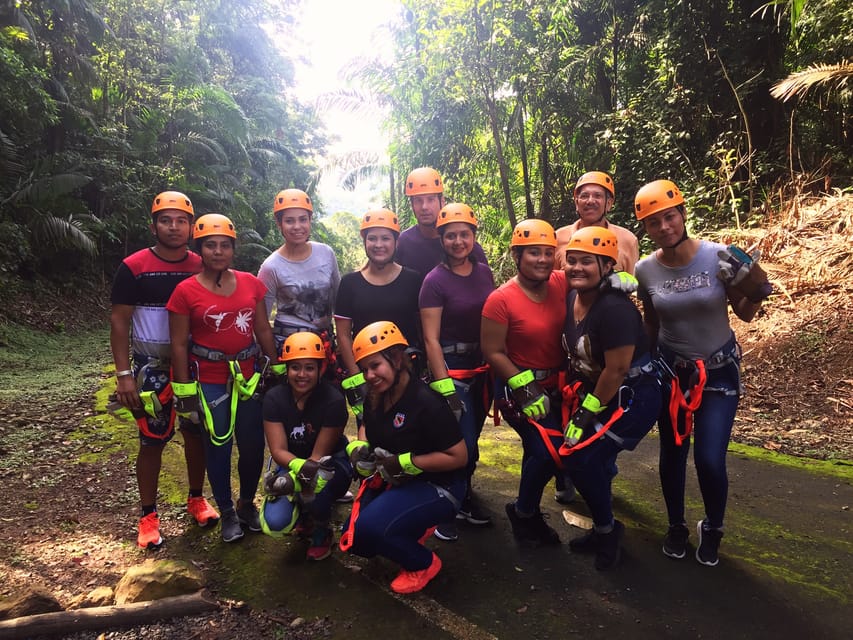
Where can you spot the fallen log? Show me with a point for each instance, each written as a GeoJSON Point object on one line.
{"type": "Point", "coordinates": [120, 615]}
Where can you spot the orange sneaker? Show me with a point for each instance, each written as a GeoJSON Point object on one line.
{"type": "Point", "coordinates": [412, 581]}
{"type": "Point", "coordinates": [200, 509]}
{"type": "Point", "coordinates": [149, 531]}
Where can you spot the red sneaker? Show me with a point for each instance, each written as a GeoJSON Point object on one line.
{"type": "Point", "coordinates": [412, 581]}
{"type": "Point", "coordinates": [200, 509]}
{"type": "Point", "coordinates": [427, 534]}
{"type": "Point", "coordinates": [321, 544]}
{"type": "Point", "coordinates": [149, 531]}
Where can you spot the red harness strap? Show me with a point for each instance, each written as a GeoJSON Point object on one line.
{"type": "Point", "coordinates": [373, 482]}
{"type": "Point", "coordinates": [678, 403]}
{"type": "Point", "coordinates": [467, 374]}
{"type": "Point", "coordinates": [566, 450]}
{"type": "Point", "coordinates": [165, 397]}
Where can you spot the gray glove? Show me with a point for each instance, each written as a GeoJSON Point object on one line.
{"type": "Point", "coordinates": [282, 483]}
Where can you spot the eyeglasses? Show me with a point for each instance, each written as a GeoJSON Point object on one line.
{"type": "Point", "coordinates": [591, 196]}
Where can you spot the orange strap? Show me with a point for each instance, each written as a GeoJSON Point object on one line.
{"type": "Point", "coordinates": [373, 482]}
{"type": "Point", "coordinates": [546, 434]}
{"type": "Point", "coordinates": [567, 451]}
{"type": "Point", "coordinates": [677, 403]}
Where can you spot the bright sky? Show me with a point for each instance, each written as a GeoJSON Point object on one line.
{"type": "Point", "coordinates": [334, 32]}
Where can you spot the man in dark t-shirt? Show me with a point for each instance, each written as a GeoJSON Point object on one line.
{"type": "Point", "coordinates": [419, 247]}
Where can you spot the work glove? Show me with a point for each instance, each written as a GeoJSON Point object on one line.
{"type": "Point", "coordinates": [151, 403]}
{"type": "Point", "coordinates": [279, 369]}
{"type": "Point", "coordinates": [528, 395]}
{"type": "Point", "coordinates": [361, 458]}
{"type": "Point", "coordinates": [741, 271]}
{"type": "Point", "coordinates": [446, 388]}
{"type": "Point", "coordinates": [305, 470]}
{"type": "Point", "coordinates": [325, 473]}
{"type": "Point", "coordinates": [395, 469]}
{"type": "Point", "coordinates": [584, 421]}
{"type": "Point", "coordinates": [618, 281]}
{"type": "Point", "coordinates": [187, 404]}
{"type": "Point", "coordinates": [282, 483]}
{"type": "Point", "coordinates": [355, 390]}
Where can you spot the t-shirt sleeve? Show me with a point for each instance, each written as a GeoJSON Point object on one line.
{"type": "Point", "coordinates": [343, 301]}
{"type": "Point", "coordinates": [495, 307]}
{"type": "Point", "coordinates": [618, 315]}
{"type": "Point", "coordinates": [124, 289]}
{"type": "Point", "coordinates": [430, 295]}
{"type": "Point", "coordinates": [336, 409]}
{"type": "Point", "coordinates": [266, 274]}
{"type": "Point", "coordinates": [178, 301]}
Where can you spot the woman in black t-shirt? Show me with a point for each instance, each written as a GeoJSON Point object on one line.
{"type": "Point", "coordinates": [412, 440]}
{"type": "Point", "coordinates": [304, 423]}
{"type": "Point", "coordinates": [613, 386]}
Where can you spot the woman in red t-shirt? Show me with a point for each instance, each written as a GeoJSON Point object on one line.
{"type": "Point", "coordinates": [218, 308]}
{"type": "Point", "coordinates": [520, 338]}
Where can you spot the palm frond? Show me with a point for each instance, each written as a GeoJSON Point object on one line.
{"type": "Point", "coordinates": [799, 83]}
{"type": "Point", "coordinates": [62, 231]}
{"type": "Point", "coordinates": [48, 188]}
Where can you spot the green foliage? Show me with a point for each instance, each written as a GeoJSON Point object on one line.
{"type": "Point", "coordinates": [117, 100]}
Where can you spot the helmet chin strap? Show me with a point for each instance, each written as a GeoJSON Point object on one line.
{"type": "Point", "coordinates": [684, 235]}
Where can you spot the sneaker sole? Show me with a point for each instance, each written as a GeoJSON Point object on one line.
{"type": "Point", "coordinates": [699, 546]}
{"type": "Point", "coordinates": [210, 522]}
{"type": "Point", "coordinates": [480, 522]}
{"type": "Point", "coordinates": [444, 537]}
{"type": "Point", "coordinates": [673, 555]}
{"type": "Point", "coordinates": [431, 573]}
{"type": "Point", "coordinates": [151, 546]}
{"type": "Point", "coordinates": [233, 538]}
{"type": "Point", "coordinates": [317, 558]}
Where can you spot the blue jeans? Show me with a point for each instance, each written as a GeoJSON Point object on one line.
{"type": "Point", "coordinates": [470, 392]}
{"type": "Point", "coordinates": [592, 468]}
{"type": "Point", "coordinates": [391, 521]}
{"type": "Point", "coordinates": [537, 465]}
{"type": "Point", "coordinates": [249, 433]}
{"type": "Point", "coordinates": [278, 513]}
{"type": "Point", "coordinates": [712, 428]}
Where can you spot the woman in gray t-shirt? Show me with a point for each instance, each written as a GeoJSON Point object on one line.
{"type": "Point", "coordinates": [685, 298]}
{"type": "Point", "coordinates": [301, 276]}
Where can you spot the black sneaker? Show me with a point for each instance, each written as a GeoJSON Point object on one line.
{"type": "Point", "coordinates": [532, 531]}
{"type": "Point", "coordinates": [472, 513]}
{"type": "Point", "coordinates": [609, 549]}
{"type": "Point", "coordinates": [249, 517]}
{"type": "Point", "coordinates": [707, 551]}
{"type": "Point", "coordinates": [447, 531]}
{"type": "Point", "coordinates": [675, 542]}
{"type": "Point", "coordinates": [231, 529]}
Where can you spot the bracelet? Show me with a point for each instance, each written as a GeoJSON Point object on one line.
{"type": "Point", "coordinates": [124, 372]}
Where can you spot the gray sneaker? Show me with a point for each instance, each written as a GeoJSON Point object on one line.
{"type": "Point", "coordinates": [707, 552]}
{"type": "Point", "coordinates": [249, 517]}
{"type": "Point", "coordinates": [231, 529]}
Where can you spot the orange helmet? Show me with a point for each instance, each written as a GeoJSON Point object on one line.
{"type": "Point", "coordinates": [380, 218]}
{"type": "Point", "coordinates": [596, 177]}
{"type": "Point", "coordinates": [172, 200]}
{"type": "Point", "coordinates": [292, 199]}
{"type": "Point", "coordinates": [303, 344]}
{"type": "Point", "coordinates": [214, 224]}
{"type": "Point", "coordinates": [596, 240]}
{"type": "Point", "coordinates": [532, 232]}
{"type": "Point", "coordinates": [422, 181]}
{"type": "Point", "coordinates": [656, 196]}
{"type": "Point", "coordinates": [376, 337]}
{"type": "Point", "coordinates": [456, 212]}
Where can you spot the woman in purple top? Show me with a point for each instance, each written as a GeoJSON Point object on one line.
{"type": "Point", "coordinates": [451, 301]}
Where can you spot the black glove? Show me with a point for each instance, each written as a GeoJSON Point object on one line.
{"type": "Point", "coordinates": [396, 469]}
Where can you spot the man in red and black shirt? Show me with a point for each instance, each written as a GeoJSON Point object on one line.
{"type": "Point", "coordinates": [139, 338]}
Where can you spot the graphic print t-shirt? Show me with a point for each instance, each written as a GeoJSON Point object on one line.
{"type": "Point", "coordinates": [221, 323]}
